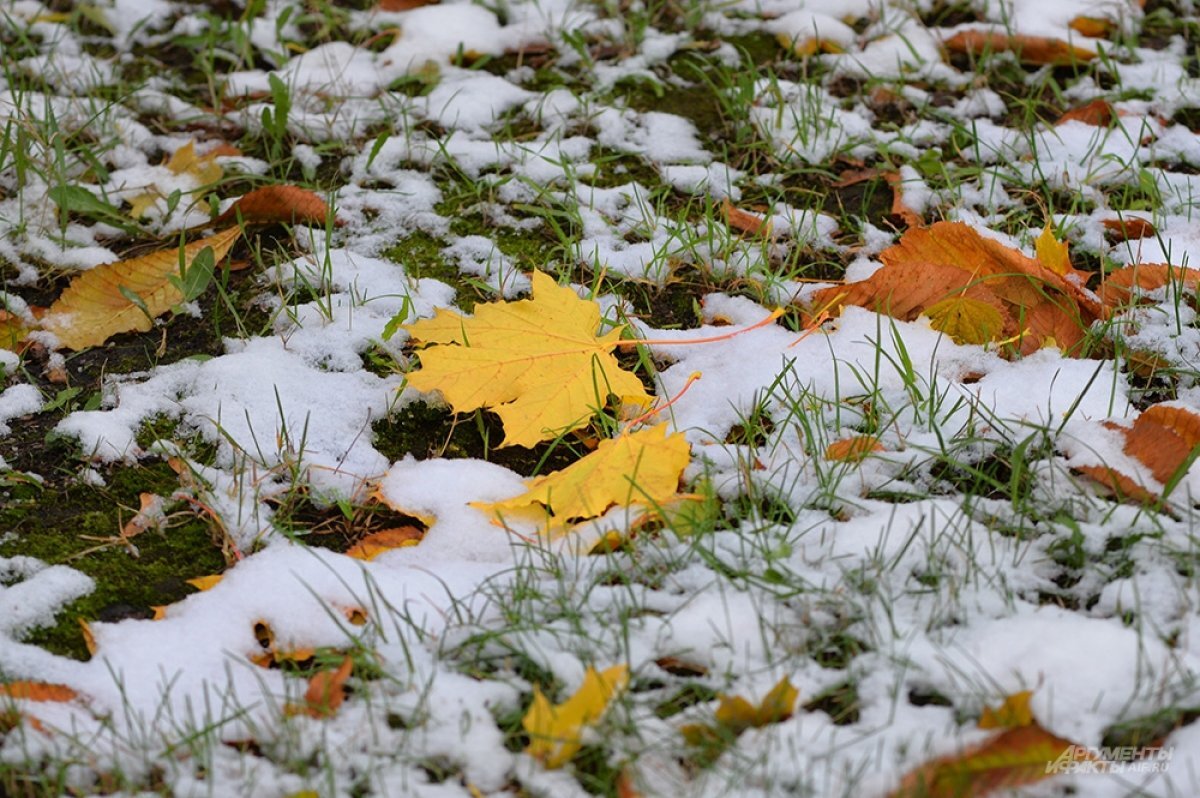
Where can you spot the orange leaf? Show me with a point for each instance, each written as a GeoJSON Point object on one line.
{"type": "Point", "coordinates": [1097, 113]}
{"type": "Point", "coordinates": [1162, 439]}
{"type": "Point", "coordinates": [853, 449]}
{"type": "Point", "coordinates": [1129, 228]}
{"type": "Point", "coordinates": [326, 692]}
{"type": "Point", "coordinates": [205, 582]}
{"type": "Point", "coordinates": [1034, 50]}
{"type": "Point", "coordinates": [1095, 27]}
{"type": "Point", "coordinates": [37, 691]}
{"type": "Point", "coordinates": [899, 207]}
{"type": "Point", "coordinates": [89, 639]}
{"type": "Point", "coordinates": [1009, 759]}
{"type": "Point", "coordinates": [377, 543]}
{"type": "Point", "coordinates": [1013, 713]}
{"type": "Point", "coordinates": [1122, 485]}
{"type": "Point", "coordinates": [149, 516]}
{"type": "Point", "coordinates": [276, 204]}
{"type": "Point", "coordinates": [1118, 285]}
{"type": "Point", "coordinates": [744, 221]}
{"type": "Point", "coordinates": [127, 295]}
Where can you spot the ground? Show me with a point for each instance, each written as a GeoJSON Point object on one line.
{"type": "Point", "coordinates": [906, 524]}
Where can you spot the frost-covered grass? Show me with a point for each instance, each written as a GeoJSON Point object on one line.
{"type": "Point", "coordinates": [462, 146]}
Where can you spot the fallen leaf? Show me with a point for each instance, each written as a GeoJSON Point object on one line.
{"type": "Point", "coordinates": [89, 638]}
{"type": "Point", "coordinates": [853, 449]}
{"type": "Point", "coordinates": [744, 221]}
{"type": "Point", "coordinates": [149, 516]}
{"type": "Point", "coordinates": [1121, 485]}
{"type": "Point", "coordinates": [127, 295]}
{"type": "Point", "coordinates": [37, 691]}
{"type": "Point", "coordinates": [1118, 285]}
{"type": "Point", "coordinates": [1033, 50]}
{"type": "Point", "coordinates": [555, 730]}
{"type": "Point", "coordinates": [969, 320]}
{"type": "Point", "coordinates": [1013, 713]}
{"type": "Point", "coordinates": [1097, 113]}
{"type": "Point", "coordinates": [404, 5]}
{"type": "Point", "coordinates": [12, 330]}
{"type": "Point", "coordinates": [326, 692]}
{"type": "Point", "coordinates": [642, 467]}
{"type": "Point", "coordinates": [271, 654]}
{"type": "Point", "coordinates": [1129, 228]}
{"type": "Point", "coordinates": [1163, 438]}
{"type": "Point", "coordinates": [537, 363]}
{"type": "Point", "coordinates": [275, 205]}
{"type": "Point", "coordinates": [377, 543]}
{"type": "Point", "coordinates": [1012, 758]}
{"type": "Point", "coordinates": [735, 714]}
{"type": "Point", "coordinates": [206, 582]}
{"type": "Point", "coordinates": [901, 208]}
{"type": "Point", "coordinates": [1052, 253]}
{"type": "Point", "coordinates": [1095, 27]}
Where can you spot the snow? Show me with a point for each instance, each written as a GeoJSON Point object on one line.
{"type": "Point", "coordinates": [887, 575]}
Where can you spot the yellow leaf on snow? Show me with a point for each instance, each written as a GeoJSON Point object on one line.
{"type": "Point", "coordinates": [101, 302]}
{"type": "Point", "coordinates": [37, 691]}
{"type": "Point", "coordinates": [1013, 713]}
{"type": "Point", "coordinates": [555, 730]}
{"type": "Point", "coordinates": [537, 363]}
{"type": "Point", "coordinates": [377, 543]}
{"type": "Point", "coordinates": [966, 320]}
{"type": "Point", "coordinates": [854, 449]}
{"type": "Point", "coordinates": [738, 714]}
{"type": "Point", "coordinates": [640, 467]}
{"type": "Point", "coordinates": [205, 582]}
{"type": "Point", "coordinates": [1052, 253]}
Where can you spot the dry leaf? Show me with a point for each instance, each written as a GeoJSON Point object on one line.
{"type": "Point", "coordinates": [89, 638]}
{"type": "Point", "coordinates": [1094, 27]}
{"type": "Point", "coordinates": [1052, 253]}
{"type": "Point", "coordinates": [899, 207]}
{"type": "Point", "coordinates": [744, 221]}
{"type": "Point", "coordinates": [1118, 285]}
{"type": "Point", "coordinates": [1034, 50]}
{"type": "Point", "coordinates": [735, 714]}
{"type": "Point", "coordinates": [1129, 228]}
{"type": "Point", "coordinates": [377, 543]}
{"type": "Point", "coordinates": [101, 302]}
{"type": "Point", "coordinates": [206, 582]}
{"type": "Point", "coordinates": [1009, 759]}
{"type": "Point", "coordinates": [275, 205]}
{"type": "Point", "coordinates": [37, 691]}
{"type": "Point", "coordinates": [1097, 113]}
{"type": "Point", "coordinates": [149, 516]}
{"type": "Point", "coordinates": [537, 363]}
{"type": "Point", "coordinates": [1163, 438]}
{"type": "Point", "coordinates": [271, 654]}
{"type": "Point", "coordinates": [854, 449]}
{"type": "Point", "coordinates": [640, 467]}
{"type": "Point", "coordinates": [326, 692]}
{"type": "Point", "coordinates": [403, 5]}
{"type": "Point", "coordinates": [12, 331]}
{"type": "Point", "coordinates": [555, 730]}
{"type": "Point", "coordinates": [1121, 485]}
{"type": "Point", "coordinates": [1013, 713]}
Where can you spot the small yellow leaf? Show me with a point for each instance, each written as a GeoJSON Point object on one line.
{"type": "Point", "coordinates": [205, 582]}
{"type": "Point", "coordinates": [854, 449]}
{"type": "Point", "coordinates": [966, 320]}
{"type": "Point", "coordinates": [37, 691]}
{"type": "Point", "coordinates": [204, 169]}
{"type": "Point", "coordinates": [640, 467]}
{"type": "Point", "coordinates": [1052, 253]}
{"type": "Point", "coordinates": [555, 730]}
{"type": "Point", "coordinates": [89, 639]}
{"type": "Point", "coordinates": [377, 543]}
{"type": "Point", "coordinates": [537, 363]}
{"type": "Point", "coordinates": [1013, 713]}
{"type": "Point", "coordinates": [737, 714]}
{"type": "Point", "coordinates": [101, 302]}
{"type": "Point", "coordinates": [12, 330]}
{"type": "Point", "coordinates": [142, 203]}
{"type": "Point", "coordinates": [1095, 27]}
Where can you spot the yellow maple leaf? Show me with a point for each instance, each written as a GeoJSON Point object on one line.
{"type": "Point", "coordinates": [555, 730]}
{"type": "Point", "coordinates": [1051, 252]}
{"type": "Point", "coordinates": [640, 467]}
{"type": "Point", "coordinates": [735, 714]}
{"type": "Point", "coordinates": [537, 363]}
{"type": "Point", "coordinates": [123, 296]}
{"type": "Point", "coordinates": [966, 320]}
{"type": "Point", "coordinates": [205, 169]}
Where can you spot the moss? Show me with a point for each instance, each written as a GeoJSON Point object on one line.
{"type": "Point", "coordinates": [55, 525]}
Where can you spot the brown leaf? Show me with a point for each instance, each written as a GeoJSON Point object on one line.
{"type": "Point", "coordinates": [100, 302]}
{"type": "Point", "coordinates": [1009, 759]}
{"type": "Point", "coordinates": [1117, 288]}
{"type": "Point", "coordinates": [377, 543]}
{"type": "Point", "coordinates": [1097, 113]}
{"type": "Point", "coordinates": [1121, 485]}
{"type": "Point", "coordinates": [148, 516]}
{"type": "Point", "coordinates": [1129, 228]}
{"type": "Point", "coordinates": [1163, 439]}
{"type": "Point", "coordinates": [37, 691]}
{"type": "Point", "coordinates": [744, 221]}
{"type": "Point", "coordinates": [274, 205]}
{"type": "Point", "coordinates": [326, 692]}
{"type": "Point", "coordinates": [853, 449]}
{"type": "Point", "coordinates": [1033, 50]}
{"type": "Point", "coordinates": [899, 207]}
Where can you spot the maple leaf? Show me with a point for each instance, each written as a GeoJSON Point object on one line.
{"type": "Point", "coordinates": [950, 259]}
{"type": "Point", "coordinates": [640, 467]}
{"type": "Point", "coordinates": [537, 363]}
{"type": "Point", "coordinates": [204, 170]}
{"type": "Point", "coordinates": [555, 730]}
{"type": "Point", "coordinates": [127, 295]}
{"type": "Point", "coordinates": [968, 320]}
{"type": "Point", "coordinates": [1011, 758]}
{"type": "Point", "coordinates": [1035, 50]}
{"type": "Point", "coordinates": [735, 714]}
{"type": "Point", "coordinates": [377, 543]}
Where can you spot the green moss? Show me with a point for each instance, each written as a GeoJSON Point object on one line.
{"type": "Point", "coordinates": [55, 525]}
